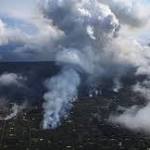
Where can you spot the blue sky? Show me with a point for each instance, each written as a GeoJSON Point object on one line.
{"type": "Point", "coordinates": [18, 13]}
{"type": "Point", "coordinates": [147, 1]}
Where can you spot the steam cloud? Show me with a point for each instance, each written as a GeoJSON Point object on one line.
{"type": "Point", "coordinates": [97, 38]}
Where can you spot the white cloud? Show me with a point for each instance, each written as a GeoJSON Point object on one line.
{"type": "Point", "coordinates": [7, 79]}
{"type": "Point", "coordinates": [131, 12]}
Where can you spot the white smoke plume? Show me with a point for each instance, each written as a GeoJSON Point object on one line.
{"type": "Point", "coordinates": [135, 14]}
{"type": "Point", "coordinates": [117, 85]}
{"type": "Point", "coordinates": [86, 26]}
{"type": "Point", "coordinates": [62, 93]}
{"type": "Point", "coordinates": [136, 117]}
{"type": "Point", "coordinates": [97, 37]}
{"type": "Point", "coordinates": [15, 110]}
